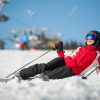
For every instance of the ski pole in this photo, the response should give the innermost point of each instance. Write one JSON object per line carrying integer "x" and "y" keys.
{"x": 85, "y": 77}
{"x": 28, "y": 63}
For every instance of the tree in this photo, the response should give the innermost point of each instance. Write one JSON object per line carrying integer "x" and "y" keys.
{"x": 2, "y": 44}
{"x": 72, "y": 45}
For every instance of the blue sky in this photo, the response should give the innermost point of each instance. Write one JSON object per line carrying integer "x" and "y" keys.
{"x": 72, "y": 18}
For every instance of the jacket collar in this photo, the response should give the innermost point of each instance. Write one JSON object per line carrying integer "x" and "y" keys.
{"x": 96, "y": 48}
{"x": 91, "y": 47}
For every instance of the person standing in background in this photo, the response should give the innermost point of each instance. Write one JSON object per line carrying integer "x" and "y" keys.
{"x": 24, "y": 40}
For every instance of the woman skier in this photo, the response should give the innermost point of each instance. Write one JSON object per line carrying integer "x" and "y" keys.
{"x": 79, "y": 62}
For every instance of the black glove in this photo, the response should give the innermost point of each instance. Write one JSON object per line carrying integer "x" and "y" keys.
{"x": 59, "y": 46}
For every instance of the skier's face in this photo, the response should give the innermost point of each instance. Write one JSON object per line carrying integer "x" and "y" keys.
{"x": 90, "y": 41}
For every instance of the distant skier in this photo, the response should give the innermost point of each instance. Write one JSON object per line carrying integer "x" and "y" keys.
{"x": 79, "y": 62}
{"x": 24, "y": 40}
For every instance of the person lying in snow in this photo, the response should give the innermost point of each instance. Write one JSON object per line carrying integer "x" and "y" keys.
{"x": 79, "y": 62}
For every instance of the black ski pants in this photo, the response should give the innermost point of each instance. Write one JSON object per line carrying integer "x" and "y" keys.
{"x": 54, "y": 69}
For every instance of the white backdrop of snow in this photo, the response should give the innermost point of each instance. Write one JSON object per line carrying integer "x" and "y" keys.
{"x": 73, "y": 88}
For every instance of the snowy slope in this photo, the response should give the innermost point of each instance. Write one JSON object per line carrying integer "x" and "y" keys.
{"x": 73, "y": 88}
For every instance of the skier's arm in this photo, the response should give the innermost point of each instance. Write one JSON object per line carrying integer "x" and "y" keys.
{"x": 59, "y": 48}
{"x": 61, "y": 54}
{"x": 98, "y": 69}
{"x": 99, "y": 62}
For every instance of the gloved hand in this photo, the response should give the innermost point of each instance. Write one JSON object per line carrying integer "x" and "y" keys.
{"x": 59, "y": 46}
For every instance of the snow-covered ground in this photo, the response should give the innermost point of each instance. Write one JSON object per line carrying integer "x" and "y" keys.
{"x": 73, "y": 88}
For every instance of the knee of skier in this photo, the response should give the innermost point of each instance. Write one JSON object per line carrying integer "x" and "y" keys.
{"x": 40, "y": 67}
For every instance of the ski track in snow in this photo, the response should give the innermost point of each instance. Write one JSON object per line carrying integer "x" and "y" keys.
{"x": 73, "y": 88}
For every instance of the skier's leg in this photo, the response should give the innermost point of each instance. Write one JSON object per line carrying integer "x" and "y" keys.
{"x": 55, "y": 63}
{"x": 40, "y": 68}
{"x": 32, "y": 71}
{"x": 59, "y": 73}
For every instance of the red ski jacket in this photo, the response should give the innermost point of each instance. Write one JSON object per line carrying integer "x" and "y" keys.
{"x": 81, "y": 58}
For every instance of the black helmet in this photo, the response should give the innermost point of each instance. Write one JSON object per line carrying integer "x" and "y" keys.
{"x": 97, "y": 40}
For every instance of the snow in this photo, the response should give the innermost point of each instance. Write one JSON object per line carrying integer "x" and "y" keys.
{"x": 73, "y": 88}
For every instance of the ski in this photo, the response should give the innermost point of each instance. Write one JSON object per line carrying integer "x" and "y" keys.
{"x": 40, "y": 76}
{"x": 5, "y": 79}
